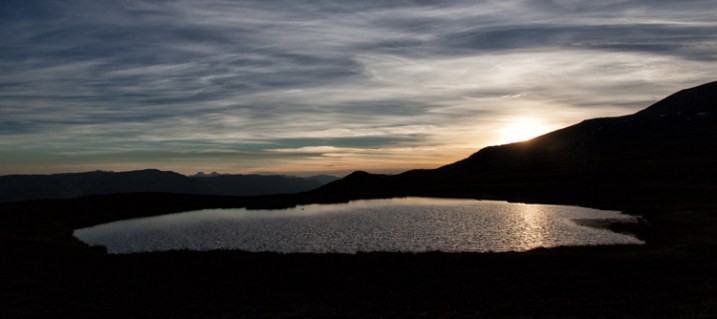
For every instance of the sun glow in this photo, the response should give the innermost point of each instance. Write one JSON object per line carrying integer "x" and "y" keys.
{"x": 521, "y": 129}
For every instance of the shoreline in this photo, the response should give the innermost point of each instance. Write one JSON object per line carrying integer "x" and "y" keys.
{"x": 115, "y": 232}
{"x": 48, "y": 272}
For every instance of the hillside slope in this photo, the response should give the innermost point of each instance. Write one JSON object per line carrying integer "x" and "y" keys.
{"x": 672, "y": 143}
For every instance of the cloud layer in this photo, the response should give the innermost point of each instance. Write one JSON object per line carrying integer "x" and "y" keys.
{"x": 324, "y": 86}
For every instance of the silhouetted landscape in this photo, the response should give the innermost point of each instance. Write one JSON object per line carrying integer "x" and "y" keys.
{"x": 669, "y": 145}
{"x": 24, "y": 187}
{"x": 358, "y": 159}
{"x": 659, "y": 164}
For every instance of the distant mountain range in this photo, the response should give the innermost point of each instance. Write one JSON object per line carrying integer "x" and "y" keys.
{"x": 671, "y": 144}
{"x": 667, "y": 147}
{"x": 25, "y": 187}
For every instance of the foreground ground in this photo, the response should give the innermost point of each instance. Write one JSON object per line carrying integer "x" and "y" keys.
{"x": 46, "y": 273}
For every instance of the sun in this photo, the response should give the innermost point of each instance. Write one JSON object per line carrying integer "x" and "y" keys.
{"x": 521, "y": 129}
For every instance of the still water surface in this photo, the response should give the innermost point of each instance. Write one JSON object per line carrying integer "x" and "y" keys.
{"x": 400, "y": 224}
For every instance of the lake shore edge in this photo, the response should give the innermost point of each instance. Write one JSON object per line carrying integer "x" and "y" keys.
{"x": 60, "y": 273}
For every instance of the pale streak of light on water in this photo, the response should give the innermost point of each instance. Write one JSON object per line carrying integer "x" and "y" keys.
{"x": 395, "y": 225}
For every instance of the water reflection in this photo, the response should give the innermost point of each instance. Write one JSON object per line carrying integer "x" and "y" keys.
{"x": 406, "y": 224}
{"x": 532, "y": 230}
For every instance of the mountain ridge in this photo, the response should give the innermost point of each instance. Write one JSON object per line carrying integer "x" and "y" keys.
{"x": 68, "y": 185}
{"x": 673, "y": 142}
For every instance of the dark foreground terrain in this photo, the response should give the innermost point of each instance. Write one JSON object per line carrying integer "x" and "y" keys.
{"x": 47, "y": 273}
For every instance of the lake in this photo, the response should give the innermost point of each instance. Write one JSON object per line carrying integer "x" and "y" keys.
{"x": 391, "y": 225}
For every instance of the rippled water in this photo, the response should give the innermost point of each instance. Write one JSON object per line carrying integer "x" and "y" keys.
{"x": 404, "y": 224}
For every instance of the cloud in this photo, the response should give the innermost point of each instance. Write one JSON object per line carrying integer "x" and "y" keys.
{"x": 212, "y": 81}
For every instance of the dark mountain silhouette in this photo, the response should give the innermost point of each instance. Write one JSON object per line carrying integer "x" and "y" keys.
{"x": 24, "y": 187}
{"x": 671, "y": 144}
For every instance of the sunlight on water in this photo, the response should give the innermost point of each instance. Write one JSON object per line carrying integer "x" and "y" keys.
{"x": 401, "y": 224}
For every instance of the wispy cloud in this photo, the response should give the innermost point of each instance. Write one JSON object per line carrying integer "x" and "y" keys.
{"x": 90, "y": 84}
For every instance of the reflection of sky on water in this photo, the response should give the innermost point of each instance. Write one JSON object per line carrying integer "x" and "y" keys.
{"x": 406, "y": 224}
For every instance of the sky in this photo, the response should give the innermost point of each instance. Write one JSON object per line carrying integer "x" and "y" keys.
{"x": 304, "y": 87}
